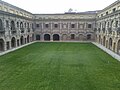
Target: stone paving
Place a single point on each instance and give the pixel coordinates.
(114, 55)
(11, 50)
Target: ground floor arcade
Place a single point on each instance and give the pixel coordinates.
(65, 37)
(109, 42)
(14, 42)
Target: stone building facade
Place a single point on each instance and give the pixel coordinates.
(108, 27)
(19, 27)
(63, 27)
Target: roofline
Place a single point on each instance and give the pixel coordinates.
(111, 5)
(8, 4)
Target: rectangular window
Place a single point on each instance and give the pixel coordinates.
(114, 9)
(7, 24)
(37, 25)
(89, 26)
(46, 25)
(116, 25)
(56, 25)
(101, 15)
(73, 26)
(106, 13)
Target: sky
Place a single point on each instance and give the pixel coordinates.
(60, 6)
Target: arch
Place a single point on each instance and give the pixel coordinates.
(56, 37)
(21, 24)
(99, 39)
(13, 31)
(13, 42)
(28, 39)
(106, 43)
(25, 41)
(114, 46)
(18, 42)
(72, 36)
(89, 36)
(21, 27)
(110, 43)
(47, 37)
(1, 25)
(21, 40)
(32, 37)
(12, 25)
(7, 45)
(118, 47)
(64, 37)
(81, 36)
(37, 37)
(104, 40)
(1, 45)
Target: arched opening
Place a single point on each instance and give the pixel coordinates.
(25, 41)
(47, 37)
(106, 43)
(110, 43)
(114, 47)
(28, 39)
(18, 42)
(1, 25)
(64, 37)
(13, 42)
(118, 47)
(37, 37)
(13, 31)
(1, 45)
(56, 37)
(32, 37)
(99, 39)
(22, 40)
(81, 37)
(89, 37)
(104, 40)
(21, 27)
(72, 36)
(8, 45)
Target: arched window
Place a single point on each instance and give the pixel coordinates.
(1, 25)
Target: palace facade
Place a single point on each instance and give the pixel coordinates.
(19, 27)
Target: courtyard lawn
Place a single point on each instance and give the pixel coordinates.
(59, 66)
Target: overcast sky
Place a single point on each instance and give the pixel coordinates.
(60, 6)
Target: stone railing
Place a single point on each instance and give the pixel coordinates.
(13, 31)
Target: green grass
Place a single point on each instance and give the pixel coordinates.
(59, 66)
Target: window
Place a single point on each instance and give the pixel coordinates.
(7, 24)
(101, 15)
(17, 24)
(25, 25)
(37, 25)
(46, 25)
(56, 25)
(116, 24)
(73, 26)
(114, 9)
(106, 13)
(89, 26)
(72, 36)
